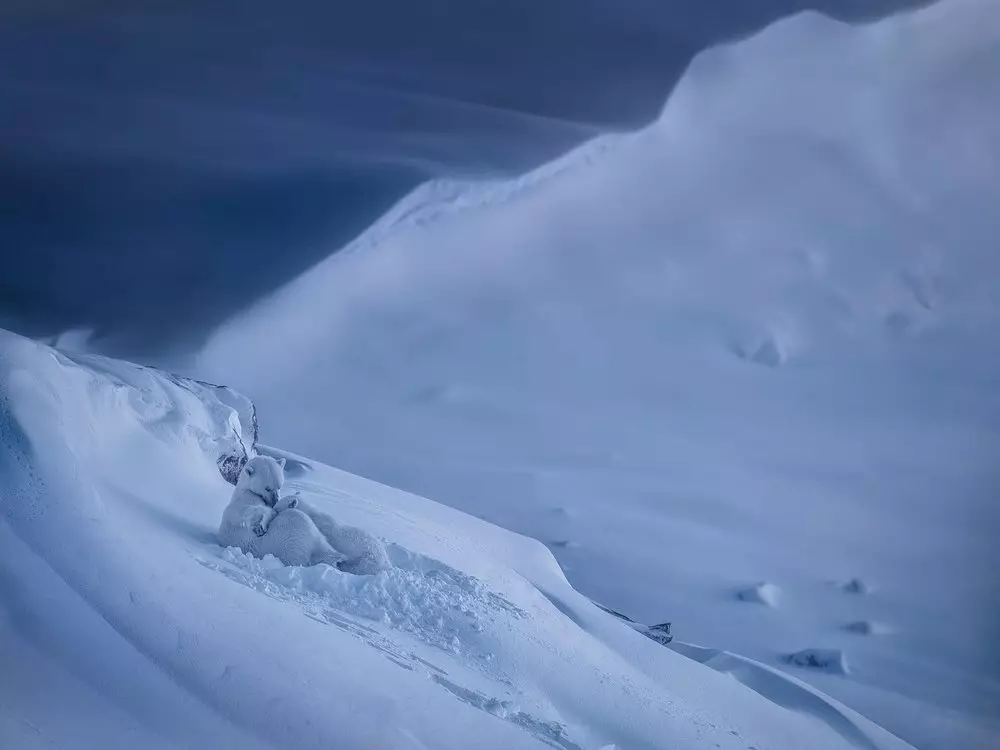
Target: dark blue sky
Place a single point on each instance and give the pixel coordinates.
(164, 163)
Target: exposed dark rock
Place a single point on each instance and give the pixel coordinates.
(826, 659)
(857, 586)
(230, 465)
(659, 633)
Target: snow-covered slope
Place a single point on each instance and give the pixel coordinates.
(747, 356)
(123, 624)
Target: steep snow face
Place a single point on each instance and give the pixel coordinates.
(755, 342)
(123, 623)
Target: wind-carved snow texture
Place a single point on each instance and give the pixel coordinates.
(157, 403)
(784, 690)
(755, 341)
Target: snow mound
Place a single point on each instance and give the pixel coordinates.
(787, 691)
(830, 660)
(125, 625)
(765, 593)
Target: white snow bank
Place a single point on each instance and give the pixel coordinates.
(126, 625)
(789, 692)
(755, 340)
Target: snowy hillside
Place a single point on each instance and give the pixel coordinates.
(123, 624)
(737, 370)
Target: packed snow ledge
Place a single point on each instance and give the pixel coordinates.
(125, 624)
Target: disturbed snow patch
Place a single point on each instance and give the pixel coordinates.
(436, 604)
(550, 732)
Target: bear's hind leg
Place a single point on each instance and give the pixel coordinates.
(324, 553)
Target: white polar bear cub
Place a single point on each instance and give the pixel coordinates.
(260, 524)
(364, 554)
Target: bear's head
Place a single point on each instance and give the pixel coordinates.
(263, 476)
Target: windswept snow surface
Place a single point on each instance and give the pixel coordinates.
(753, 342)
(123, 624)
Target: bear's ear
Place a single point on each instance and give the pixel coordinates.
(249, 470)
(281, 462)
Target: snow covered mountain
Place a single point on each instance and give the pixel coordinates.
(123, 623)
(203, 138)
(737, 370)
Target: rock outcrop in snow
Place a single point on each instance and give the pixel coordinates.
(765, 593)
(826, 659)
(868, 627)
(857, 586)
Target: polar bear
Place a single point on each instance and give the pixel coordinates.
(364, 553)
(260, 523)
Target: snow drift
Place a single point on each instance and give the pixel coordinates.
(753, 342)
(124, 624)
